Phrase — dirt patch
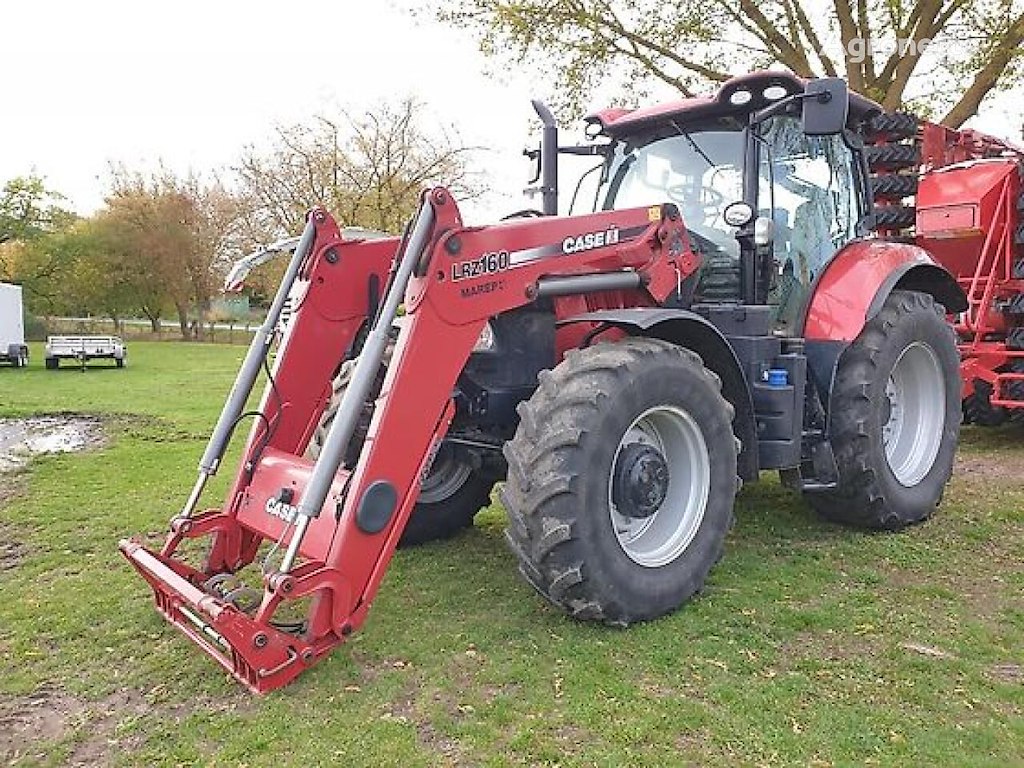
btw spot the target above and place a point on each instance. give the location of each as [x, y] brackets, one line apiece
[827, 646]
[12, 552]
[1007, 673]
[33, 726]
[1001, 467]
[21, 439]
[30, 724]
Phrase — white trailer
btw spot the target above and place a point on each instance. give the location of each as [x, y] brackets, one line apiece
[82, 349]
[13, 348]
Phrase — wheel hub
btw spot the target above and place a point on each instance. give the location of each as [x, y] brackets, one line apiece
[913, 416]
[658, 485]
[640, 482]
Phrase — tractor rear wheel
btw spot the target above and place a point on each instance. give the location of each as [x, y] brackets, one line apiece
[450, 495]
[621, 480]
[895, 417]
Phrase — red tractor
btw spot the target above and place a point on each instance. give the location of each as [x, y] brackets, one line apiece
[726, 309]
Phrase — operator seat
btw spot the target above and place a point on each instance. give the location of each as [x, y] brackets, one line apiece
[811, 243]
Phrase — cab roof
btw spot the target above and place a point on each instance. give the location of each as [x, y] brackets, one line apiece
[751, 89]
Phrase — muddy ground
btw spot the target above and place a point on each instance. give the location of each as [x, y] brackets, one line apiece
[20, 439]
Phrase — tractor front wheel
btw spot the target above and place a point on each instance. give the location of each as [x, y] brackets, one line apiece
[895, 417]
[621, 480]
[450, 495]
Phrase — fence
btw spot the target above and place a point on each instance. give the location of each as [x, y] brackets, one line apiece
[142, 330]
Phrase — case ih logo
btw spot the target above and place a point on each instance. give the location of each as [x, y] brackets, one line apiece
[590, 241]
[277, 508]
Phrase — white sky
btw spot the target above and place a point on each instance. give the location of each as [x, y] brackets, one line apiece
[190, 83]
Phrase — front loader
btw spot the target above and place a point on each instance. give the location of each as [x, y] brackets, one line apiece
[723, 309]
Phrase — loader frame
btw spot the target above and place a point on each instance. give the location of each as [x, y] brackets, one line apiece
[339, 527]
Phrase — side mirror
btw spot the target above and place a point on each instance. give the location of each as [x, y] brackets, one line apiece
[826, 106]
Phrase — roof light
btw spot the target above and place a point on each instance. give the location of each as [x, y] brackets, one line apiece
[740, 97]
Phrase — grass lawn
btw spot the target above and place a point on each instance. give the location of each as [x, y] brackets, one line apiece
[813, 645]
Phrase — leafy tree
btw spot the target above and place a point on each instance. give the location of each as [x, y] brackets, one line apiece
[29, 210]
[368, 170]
[176, 232]
[29, 213]
[147, 230]
[940, 56]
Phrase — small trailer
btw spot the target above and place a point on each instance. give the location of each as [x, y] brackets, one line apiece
[13, 348]
[82, 349]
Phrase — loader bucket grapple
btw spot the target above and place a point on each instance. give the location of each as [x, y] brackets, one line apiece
[723, 310]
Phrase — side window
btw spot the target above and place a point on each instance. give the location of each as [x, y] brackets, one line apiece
[812, 197]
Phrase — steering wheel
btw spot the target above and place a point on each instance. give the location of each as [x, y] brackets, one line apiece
[710, 204]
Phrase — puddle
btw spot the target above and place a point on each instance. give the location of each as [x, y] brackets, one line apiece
[21, 439]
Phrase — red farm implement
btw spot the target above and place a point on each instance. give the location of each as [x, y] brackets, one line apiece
[968, 214]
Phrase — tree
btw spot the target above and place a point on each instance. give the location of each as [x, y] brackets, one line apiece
[29, 210]
[29, 213]
[177, 233]
[143, 233]
[367, 170]
[942, 56]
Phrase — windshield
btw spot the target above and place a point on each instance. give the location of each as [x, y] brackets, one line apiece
[700, 170]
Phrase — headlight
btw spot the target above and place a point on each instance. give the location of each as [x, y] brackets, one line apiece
[486, 341]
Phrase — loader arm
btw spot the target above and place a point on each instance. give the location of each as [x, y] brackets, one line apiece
[338, 529]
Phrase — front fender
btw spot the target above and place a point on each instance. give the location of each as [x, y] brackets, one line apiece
[858, 280]
[690, 330]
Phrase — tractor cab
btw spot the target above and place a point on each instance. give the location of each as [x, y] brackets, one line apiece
[767, 175]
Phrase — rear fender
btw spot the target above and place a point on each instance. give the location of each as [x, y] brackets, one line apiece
[693, 332]
[853, 288]
[855, 284]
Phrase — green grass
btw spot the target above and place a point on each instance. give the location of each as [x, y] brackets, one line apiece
[812, 645]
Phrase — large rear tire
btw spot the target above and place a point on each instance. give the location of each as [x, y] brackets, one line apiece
[621, 480]
[895, 417]
[450, 495]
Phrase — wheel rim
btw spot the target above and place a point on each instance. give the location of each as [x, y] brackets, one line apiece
[916, 394]
[446, 476]
[660, 538]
